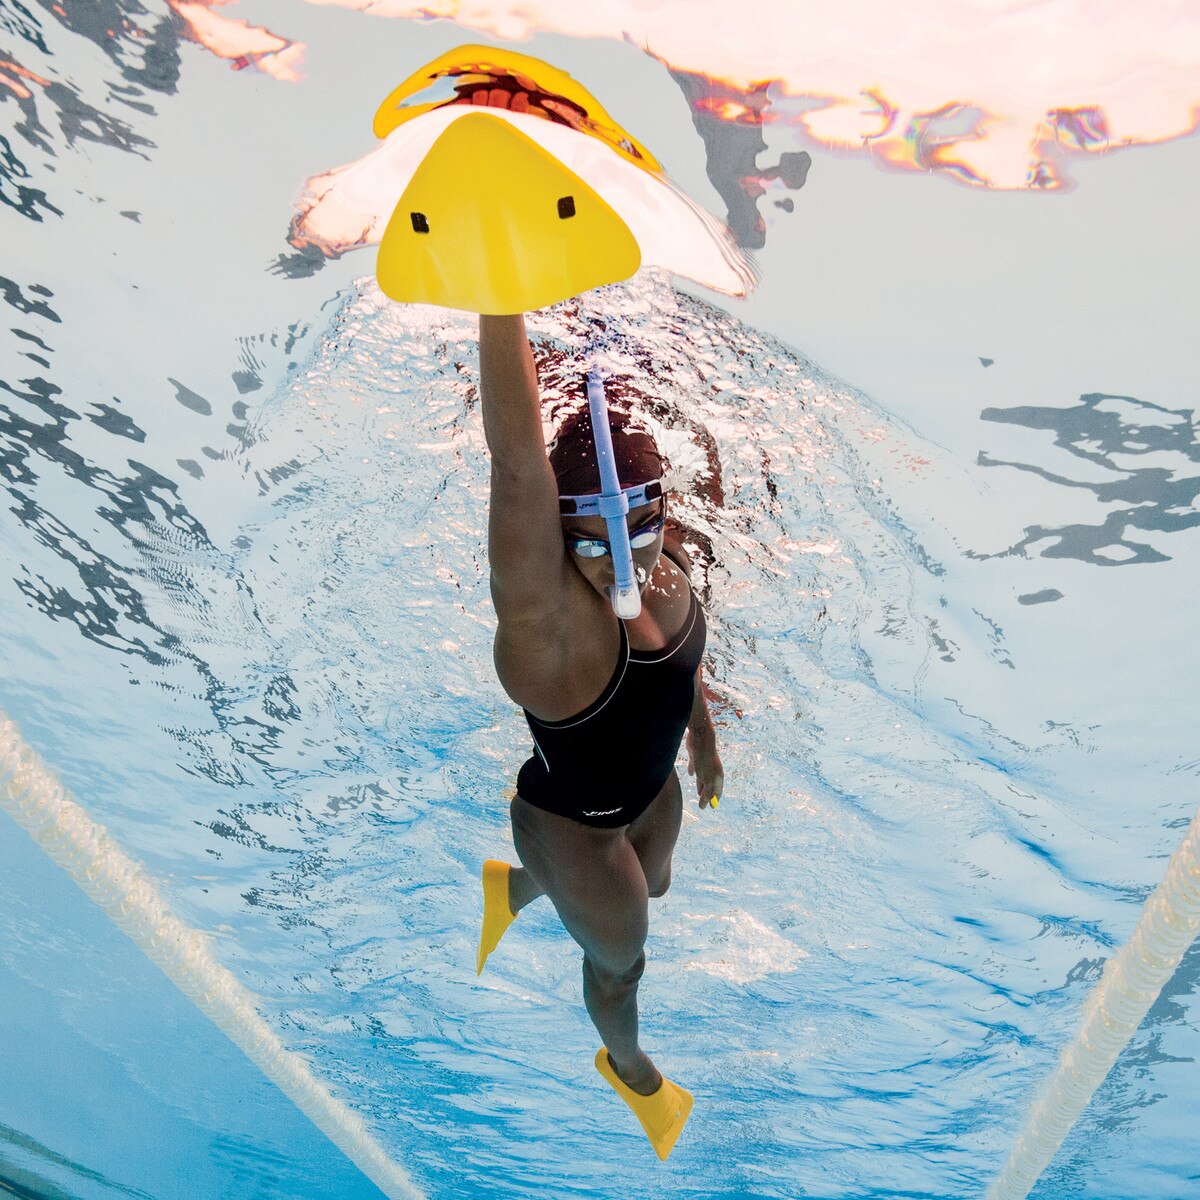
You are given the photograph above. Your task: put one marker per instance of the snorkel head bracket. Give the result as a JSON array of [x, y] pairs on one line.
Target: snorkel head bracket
[[612, 503]]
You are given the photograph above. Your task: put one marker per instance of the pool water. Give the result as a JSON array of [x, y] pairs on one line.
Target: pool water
[[245, 616]]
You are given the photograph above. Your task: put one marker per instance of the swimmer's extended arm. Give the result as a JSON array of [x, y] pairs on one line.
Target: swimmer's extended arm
[[525, 543]]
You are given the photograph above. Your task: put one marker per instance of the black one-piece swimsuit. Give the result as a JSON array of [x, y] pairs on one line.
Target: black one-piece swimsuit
[[605, 765]]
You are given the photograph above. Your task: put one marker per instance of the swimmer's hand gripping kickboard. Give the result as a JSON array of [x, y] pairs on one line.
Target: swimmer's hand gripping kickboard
[[492, 223]]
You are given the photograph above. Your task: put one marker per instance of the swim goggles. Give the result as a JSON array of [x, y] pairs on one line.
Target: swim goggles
[[644, 535]]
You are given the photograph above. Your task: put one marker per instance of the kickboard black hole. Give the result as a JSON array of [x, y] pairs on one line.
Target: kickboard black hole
[[420, 224], [566, 207]]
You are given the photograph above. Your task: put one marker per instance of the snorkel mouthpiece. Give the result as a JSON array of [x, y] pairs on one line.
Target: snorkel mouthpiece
[[624, 595]]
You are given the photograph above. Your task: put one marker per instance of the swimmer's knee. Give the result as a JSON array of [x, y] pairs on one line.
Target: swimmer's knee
[[610, 975], [660, 887], [518, 813]]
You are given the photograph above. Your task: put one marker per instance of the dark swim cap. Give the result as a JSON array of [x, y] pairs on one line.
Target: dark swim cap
[[572, 453]]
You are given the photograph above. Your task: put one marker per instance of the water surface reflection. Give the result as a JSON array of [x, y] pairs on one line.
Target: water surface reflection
[[1147, 457]]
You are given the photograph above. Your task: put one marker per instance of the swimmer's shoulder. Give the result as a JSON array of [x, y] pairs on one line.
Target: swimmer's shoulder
[[673, 549], [556, 666]]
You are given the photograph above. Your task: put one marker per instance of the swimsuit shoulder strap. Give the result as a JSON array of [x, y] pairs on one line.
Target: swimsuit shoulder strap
[[623, 656]]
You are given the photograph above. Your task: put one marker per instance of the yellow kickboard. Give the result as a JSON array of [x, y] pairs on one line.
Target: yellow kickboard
[[480, 64], [492, 223]]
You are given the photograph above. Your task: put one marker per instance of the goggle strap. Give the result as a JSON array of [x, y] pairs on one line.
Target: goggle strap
[[589, 506]]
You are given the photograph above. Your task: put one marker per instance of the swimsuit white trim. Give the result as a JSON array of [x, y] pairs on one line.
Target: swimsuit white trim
[[614, 684], [588, 713], [679, 639]]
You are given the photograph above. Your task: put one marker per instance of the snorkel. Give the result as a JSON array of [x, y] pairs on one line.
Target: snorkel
[[613, 503]]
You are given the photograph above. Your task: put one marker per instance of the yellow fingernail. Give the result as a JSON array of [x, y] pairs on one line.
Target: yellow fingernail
[[715, 802]]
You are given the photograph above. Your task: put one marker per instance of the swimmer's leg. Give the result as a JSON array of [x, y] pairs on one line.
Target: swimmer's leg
[[653, 836], [521, 889], [506, 890], [595, 881]]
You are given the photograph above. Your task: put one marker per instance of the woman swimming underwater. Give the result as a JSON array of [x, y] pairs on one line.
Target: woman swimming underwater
[[608, 700]]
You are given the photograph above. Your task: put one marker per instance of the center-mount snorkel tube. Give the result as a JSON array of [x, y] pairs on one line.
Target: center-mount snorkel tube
[[613, 502], [624, 595]]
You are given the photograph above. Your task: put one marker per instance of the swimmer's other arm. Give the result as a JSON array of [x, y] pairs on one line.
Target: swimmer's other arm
[[703, 760]]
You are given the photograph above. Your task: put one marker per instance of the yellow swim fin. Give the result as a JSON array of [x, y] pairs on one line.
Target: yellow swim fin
[[662, 1115], [497, 916], [492, 223]]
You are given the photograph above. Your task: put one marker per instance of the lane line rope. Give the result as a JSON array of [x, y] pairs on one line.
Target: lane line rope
[[128, 896], [1130, 984]]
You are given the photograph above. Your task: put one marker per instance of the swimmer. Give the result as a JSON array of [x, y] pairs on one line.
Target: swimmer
[[608, 700]]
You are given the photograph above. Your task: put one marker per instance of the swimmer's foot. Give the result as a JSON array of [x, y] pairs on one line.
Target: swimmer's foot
[[497, 916], [662, 1114]]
